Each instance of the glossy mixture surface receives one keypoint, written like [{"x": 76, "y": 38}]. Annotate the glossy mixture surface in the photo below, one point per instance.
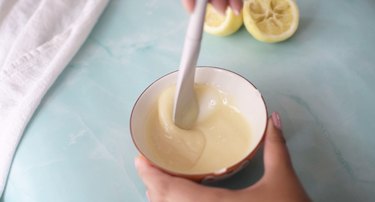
[{"x": 220, "y": 137}]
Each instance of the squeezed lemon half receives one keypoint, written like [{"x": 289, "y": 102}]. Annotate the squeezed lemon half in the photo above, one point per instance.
[
  {"x": 221, "y": 25},
  {"x": 271, "y": 20}
]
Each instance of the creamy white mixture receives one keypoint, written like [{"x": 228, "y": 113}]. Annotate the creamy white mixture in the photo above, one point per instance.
[{"x": 220, "y": 137}]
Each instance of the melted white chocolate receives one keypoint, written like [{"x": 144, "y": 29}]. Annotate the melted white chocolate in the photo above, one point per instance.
[{"x": 219, "y": 138}]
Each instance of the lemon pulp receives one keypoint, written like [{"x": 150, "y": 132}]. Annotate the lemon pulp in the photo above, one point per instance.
[{"x": 271, "y": 20}]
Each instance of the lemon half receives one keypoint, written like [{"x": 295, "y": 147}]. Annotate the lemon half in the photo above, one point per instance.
[
  {"x": 271, "y": 20},
  {"x": 221, "y": 25}
]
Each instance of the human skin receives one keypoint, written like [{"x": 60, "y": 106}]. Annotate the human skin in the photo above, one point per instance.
[
  {"x": 278, "y": 183},
  {"x": 220, "y": 5}
]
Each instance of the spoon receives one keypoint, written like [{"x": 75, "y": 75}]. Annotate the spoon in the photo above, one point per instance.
[{"x": 186, "y": 107}]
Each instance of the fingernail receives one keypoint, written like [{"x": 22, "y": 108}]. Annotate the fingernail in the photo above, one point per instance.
[
  {"x": 222, "y": 12},
  {"x": 236, "y": 12},
  {"x": 148, "y": 196},
  {"x": 136, "y": 162},
  {"x": 276, "y": 120}
]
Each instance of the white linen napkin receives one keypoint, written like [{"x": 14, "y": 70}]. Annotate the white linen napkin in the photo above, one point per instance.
[{"x": 38, "y": 38}]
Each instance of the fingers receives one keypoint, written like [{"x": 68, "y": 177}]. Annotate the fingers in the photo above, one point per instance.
[
  {"x": 150, "y": 175},
  {"x": 236, "y": 6},
  {"x": 155, "y": 180},
  {"x": 279, "y": 176},
  {"x": 163, "y": 187},
  {"x": 276, "y": 156},
  {"x": 220, "y": 5},
  {"x": 189, "y": 5}
]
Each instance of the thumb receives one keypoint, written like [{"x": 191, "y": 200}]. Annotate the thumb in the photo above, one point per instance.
[
  {"x": 279, "y": 174},
  {"x": 276, "y": 157},
  {"x": 163, "y": 187}
]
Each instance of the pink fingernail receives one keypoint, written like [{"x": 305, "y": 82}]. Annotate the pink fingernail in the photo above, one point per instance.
[
  {"x": 236, "y": 12},
  {"x": 148, "y": 196},
  {"x": 136, "y": 162},
  {"x": 223, "y": 12},
  {"x": 276, "y": 120}
]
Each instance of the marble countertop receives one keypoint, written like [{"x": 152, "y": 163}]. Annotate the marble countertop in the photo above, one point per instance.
[{"x": 77, "y": 147}]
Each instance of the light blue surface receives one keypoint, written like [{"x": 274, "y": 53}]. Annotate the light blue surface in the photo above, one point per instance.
[{"x": 77, "y": 147}]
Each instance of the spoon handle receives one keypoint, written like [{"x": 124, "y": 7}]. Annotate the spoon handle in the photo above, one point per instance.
[
  {"x": 193, "y": 38},
  {"x": 185, "y": 106},
  {"x": 195, "y": 27}
]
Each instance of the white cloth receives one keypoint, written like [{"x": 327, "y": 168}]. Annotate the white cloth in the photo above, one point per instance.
[{"x": 38, "y": 38}]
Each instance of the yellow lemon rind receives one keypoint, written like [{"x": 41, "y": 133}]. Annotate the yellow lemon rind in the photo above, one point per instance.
[{"x": 231, "y": 24}]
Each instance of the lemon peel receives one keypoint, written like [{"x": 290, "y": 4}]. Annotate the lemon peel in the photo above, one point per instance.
[{"x": 219, "y": 24}]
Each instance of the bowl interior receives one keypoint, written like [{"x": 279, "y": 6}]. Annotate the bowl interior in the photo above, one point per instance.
[{"x": 241, "y": 92}]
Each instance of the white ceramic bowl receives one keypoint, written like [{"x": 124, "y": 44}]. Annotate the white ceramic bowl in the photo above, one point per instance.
[{"x": 245, "y": 97}]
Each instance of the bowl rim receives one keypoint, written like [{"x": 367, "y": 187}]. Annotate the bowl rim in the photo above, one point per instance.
[{"x": 200, "y": 176}]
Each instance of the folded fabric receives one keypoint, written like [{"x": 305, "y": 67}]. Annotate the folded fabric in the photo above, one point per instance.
[{"x": 38, "y": 38}]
